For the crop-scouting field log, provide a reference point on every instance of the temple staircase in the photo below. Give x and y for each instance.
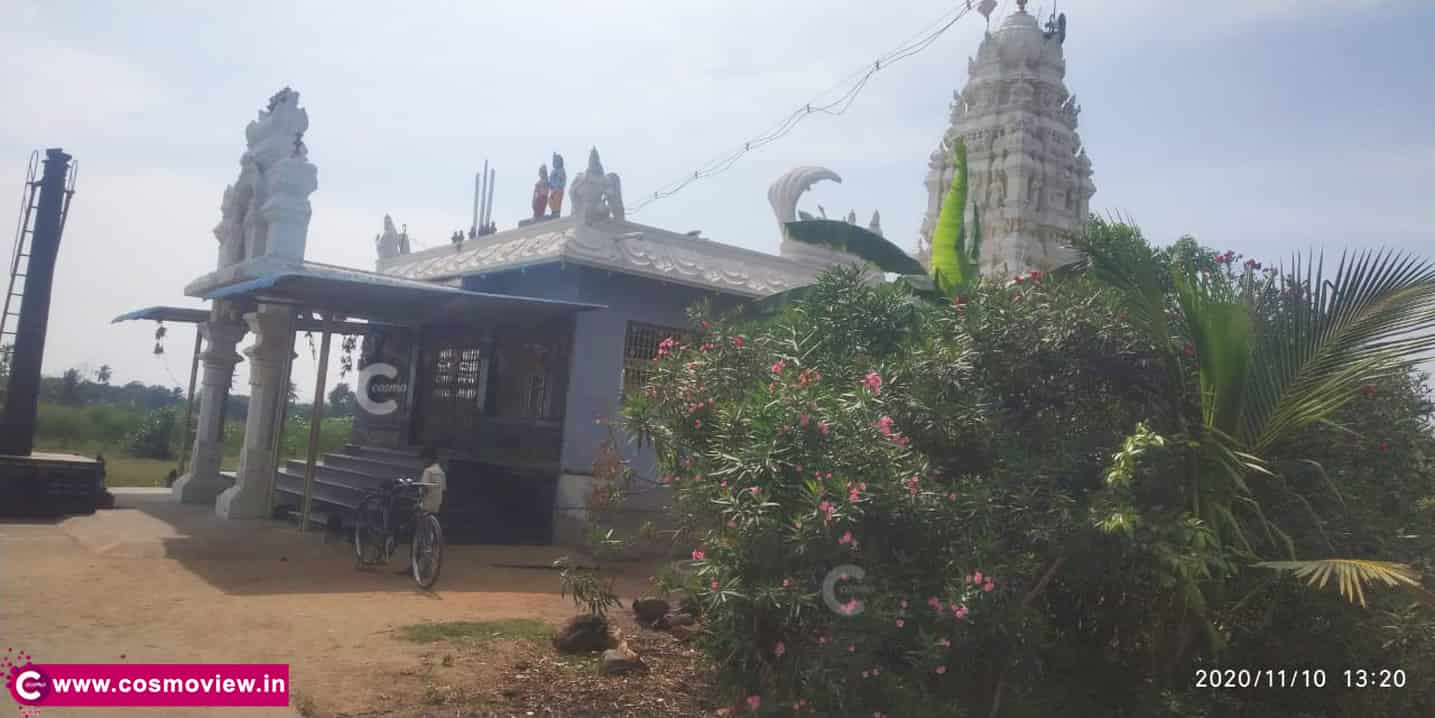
(340, 480)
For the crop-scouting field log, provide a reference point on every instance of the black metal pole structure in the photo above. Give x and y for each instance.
(184, 448)
(17, 428)
(316, 422)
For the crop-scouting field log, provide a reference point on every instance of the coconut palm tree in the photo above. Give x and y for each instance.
(1274, 355)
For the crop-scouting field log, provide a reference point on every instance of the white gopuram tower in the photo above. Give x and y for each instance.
(1026, 168)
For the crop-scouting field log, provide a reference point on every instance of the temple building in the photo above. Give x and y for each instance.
(1026, 167)
(504, 350)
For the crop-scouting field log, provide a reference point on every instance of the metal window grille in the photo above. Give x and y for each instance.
(640, 348)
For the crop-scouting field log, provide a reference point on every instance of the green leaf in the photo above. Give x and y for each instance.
(855, 240)
(952, 263)
(774, 303)
(1222, 334)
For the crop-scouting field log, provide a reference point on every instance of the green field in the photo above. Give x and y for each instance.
(103, 430)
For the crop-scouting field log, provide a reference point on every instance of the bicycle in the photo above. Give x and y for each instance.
(392, 512)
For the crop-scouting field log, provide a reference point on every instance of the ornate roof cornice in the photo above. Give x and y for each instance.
(618, 246)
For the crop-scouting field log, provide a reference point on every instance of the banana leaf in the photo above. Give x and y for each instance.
(953, 265)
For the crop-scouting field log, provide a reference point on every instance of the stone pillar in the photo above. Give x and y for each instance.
(273, 328)
(221, 334)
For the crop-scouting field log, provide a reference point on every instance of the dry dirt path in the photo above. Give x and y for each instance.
(155, 582)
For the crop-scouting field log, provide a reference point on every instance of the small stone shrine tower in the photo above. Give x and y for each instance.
(1026, 167)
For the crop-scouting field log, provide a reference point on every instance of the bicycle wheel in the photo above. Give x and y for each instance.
(368, 532)
(427, 551)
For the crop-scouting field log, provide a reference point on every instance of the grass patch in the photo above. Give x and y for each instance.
(473, 632)
(121, 469)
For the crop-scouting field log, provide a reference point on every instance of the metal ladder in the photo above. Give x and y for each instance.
(15, 292)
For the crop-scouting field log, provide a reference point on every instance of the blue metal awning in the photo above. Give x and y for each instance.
(180, 315)
(363, 295)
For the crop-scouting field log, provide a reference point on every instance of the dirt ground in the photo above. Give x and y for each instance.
(156, 582)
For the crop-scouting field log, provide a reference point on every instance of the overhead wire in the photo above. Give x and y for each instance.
(855, 83)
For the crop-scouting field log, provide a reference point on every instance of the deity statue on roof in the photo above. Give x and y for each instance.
(557, 180)
(390, 243)
(540, 193)
(597, 195)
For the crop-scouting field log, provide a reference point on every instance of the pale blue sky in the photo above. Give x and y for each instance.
(1264, 126)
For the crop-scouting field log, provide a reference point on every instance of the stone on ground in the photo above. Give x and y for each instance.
(622, 659)
(586, 633)
(649, 611)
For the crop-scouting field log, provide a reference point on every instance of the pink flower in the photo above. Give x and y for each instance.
(823, 427)
(778, 366)
(755, 491)
(697, 477)
(698, 554)
(945, 643)
(960, 612)
(952, 496)
(851, 648)
(697, 423)
(779, 649)
(827, 509)
(912, 485)
(731, 523)
(850, 607)
(941, 670)
(901, 623)
(873, 381)
(722, 484)
(977, 577)
(753, 702)
(713, 585)
(737, 342)
(988, 586)
(884, 425)
(935, 603)
(822, 640)
(846, 538)
(903, 604)
(668, 479)
(802, 419)
(707, 326)
(787, 583)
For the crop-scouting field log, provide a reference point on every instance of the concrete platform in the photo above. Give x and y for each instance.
(51, 484)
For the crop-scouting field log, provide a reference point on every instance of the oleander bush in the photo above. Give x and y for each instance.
(1019, 503)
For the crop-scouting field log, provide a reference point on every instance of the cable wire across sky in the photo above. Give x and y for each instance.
(854, 84)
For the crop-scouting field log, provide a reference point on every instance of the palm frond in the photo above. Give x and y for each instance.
(1116, 255)
(1222, 335)
(855, 240)
(1351, 575)
(1330, 338)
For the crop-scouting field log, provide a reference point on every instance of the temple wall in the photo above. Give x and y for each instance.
(595, 383)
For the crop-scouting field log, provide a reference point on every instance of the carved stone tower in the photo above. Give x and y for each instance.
(1026, 168)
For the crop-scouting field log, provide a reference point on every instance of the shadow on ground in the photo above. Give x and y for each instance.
(265, 557)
